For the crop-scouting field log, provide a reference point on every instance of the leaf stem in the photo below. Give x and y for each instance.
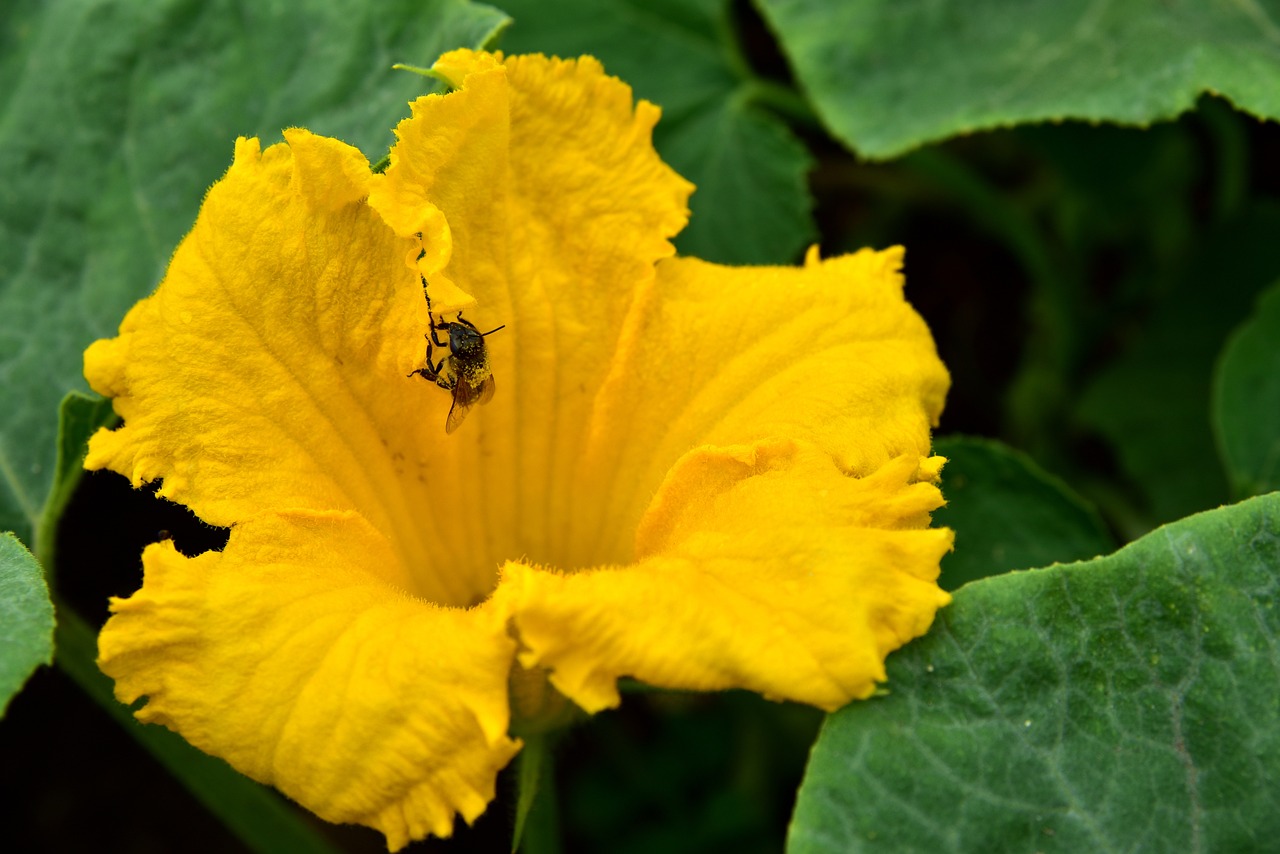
(537, 828)
(780, 99)
(1231, 166)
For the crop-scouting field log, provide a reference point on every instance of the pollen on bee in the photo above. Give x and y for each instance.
(464, 369)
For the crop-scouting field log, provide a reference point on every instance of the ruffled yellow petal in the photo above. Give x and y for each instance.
(299, 655)
(266, 383)
(257, 375)
(759, 566)
(725, 471)
(787, 565)
(558, 207)
(829, 354)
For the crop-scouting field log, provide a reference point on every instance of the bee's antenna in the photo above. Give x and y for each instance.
(493, 330)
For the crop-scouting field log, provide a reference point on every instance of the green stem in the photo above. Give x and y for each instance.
(755, 90)
(537, 828)
(1227, 130)
(780, 99)
(421, 72)
(79, 416)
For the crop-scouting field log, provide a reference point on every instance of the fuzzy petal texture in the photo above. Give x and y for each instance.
(792, 565)
(761, 567)
(701, 476)
(558, 207)
(265, 382)
(295, 656)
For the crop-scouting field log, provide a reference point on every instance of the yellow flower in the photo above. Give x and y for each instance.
(700, 476)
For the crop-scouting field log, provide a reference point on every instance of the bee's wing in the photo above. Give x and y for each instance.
(486, 389)
(465, 396)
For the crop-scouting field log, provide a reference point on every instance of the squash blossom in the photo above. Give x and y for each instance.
(699, 476)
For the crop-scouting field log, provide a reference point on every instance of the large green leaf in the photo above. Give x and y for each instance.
(115, 117)
(752, 204)
(1008, 513)
(890, 75)
(26, 618)
(1246, 401)
(1130, 703)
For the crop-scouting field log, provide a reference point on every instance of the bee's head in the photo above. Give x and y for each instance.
(464, 339)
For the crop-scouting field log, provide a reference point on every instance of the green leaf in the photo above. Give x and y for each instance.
(117, 116)
(1246, 400)
(1152, 403)
(890, 75)
(1008, 513)
(79, 417)
(752, 205)
(1129, 703)
(263, 820)
(26, 618)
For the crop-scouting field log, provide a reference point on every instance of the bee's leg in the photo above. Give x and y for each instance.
(435, 339)
(427, 373)
(431, 372)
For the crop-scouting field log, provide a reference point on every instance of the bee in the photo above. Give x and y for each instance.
(465, 370)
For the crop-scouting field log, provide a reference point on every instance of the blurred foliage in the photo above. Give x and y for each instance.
(1247, 400)
(1099, 293)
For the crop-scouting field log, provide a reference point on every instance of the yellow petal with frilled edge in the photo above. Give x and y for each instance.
(760, 567)
(558, 208)
(782, 418)
(725, 471)
(298, 656)
(325, 651)
(247, 380)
